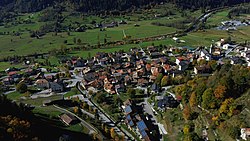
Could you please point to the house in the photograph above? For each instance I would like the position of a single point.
(8, 81)
(68, 119)
(202, 69)
(155, 88)
(143, 130)
(245, 133)
(79, 62)
(119, 88)
(109, 25)
(13, 74)
(109, 88)
(129, 121)
(154, 55)
(183, 65)
(179, 59)
(205, 55)
(227, 46)
(142, 82)
(245, 54)
(11, 69)
(237, 60)
(30, 72)
(128, 109)
(42, 83)
(56, 87)
(167, 101)
(176, 39)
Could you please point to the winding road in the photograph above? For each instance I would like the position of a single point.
(106, 118)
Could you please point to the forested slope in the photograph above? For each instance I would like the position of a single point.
(99, 5)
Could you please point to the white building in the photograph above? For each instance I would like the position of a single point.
(245, 133)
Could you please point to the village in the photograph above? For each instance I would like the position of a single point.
(153, 70)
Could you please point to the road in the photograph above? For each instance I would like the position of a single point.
(84, 123)
(105, 118)
(150, 110)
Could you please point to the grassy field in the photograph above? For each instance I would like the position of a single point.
(39, 101)
(5, 65)
(47, 111)
(218, 17)
(24, 44)
(78, 128)
(72, 92)
(14, 95)
(14, 45)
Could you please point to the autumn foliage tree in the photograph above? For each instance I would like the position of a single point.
(220, 92)
(164, 81)
(192, 100)
(112, 133)
(186, 113)
(227, 107)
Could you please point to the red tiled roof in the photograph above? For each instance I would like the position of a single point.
(12, 73)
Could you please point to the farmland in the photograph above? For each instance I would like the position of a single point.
(23, 44)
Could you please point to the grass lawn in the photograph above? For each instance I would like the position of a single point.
(78, 128)
(126, 48)
(50, 111)
(39, 101)
(173, 124)
(14, 95)
(201, 38)
(218, 17)
(72, 92)
(5, 65)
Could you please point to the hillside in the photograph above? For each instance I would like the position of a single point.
(17, 123)
(102, 5)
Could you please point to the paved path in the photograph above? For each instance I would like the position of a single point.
(105, 118)
(83, 122)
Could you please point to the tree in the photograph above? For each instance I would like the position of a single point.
(202, 62)
(112, 133)
(85, 105)
(74, 40)
(187, 77)
(106, 130)
(117, 101)
(186, 129)
(79, 41)
(164, 81)
(158, 78)
(208, 100)
(220, 91)
(225, 107)
(21, 87)
(76, 109)
(234, 132)
(213, 64)
(131, 92)
(68, 75)
(186, 113)
(100, 98)
(192, 100)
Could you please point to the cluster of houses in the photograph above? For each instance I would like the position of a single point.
(113, 72)
(34, 77)
(232, 24)
(134, 120)
(110, 25)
